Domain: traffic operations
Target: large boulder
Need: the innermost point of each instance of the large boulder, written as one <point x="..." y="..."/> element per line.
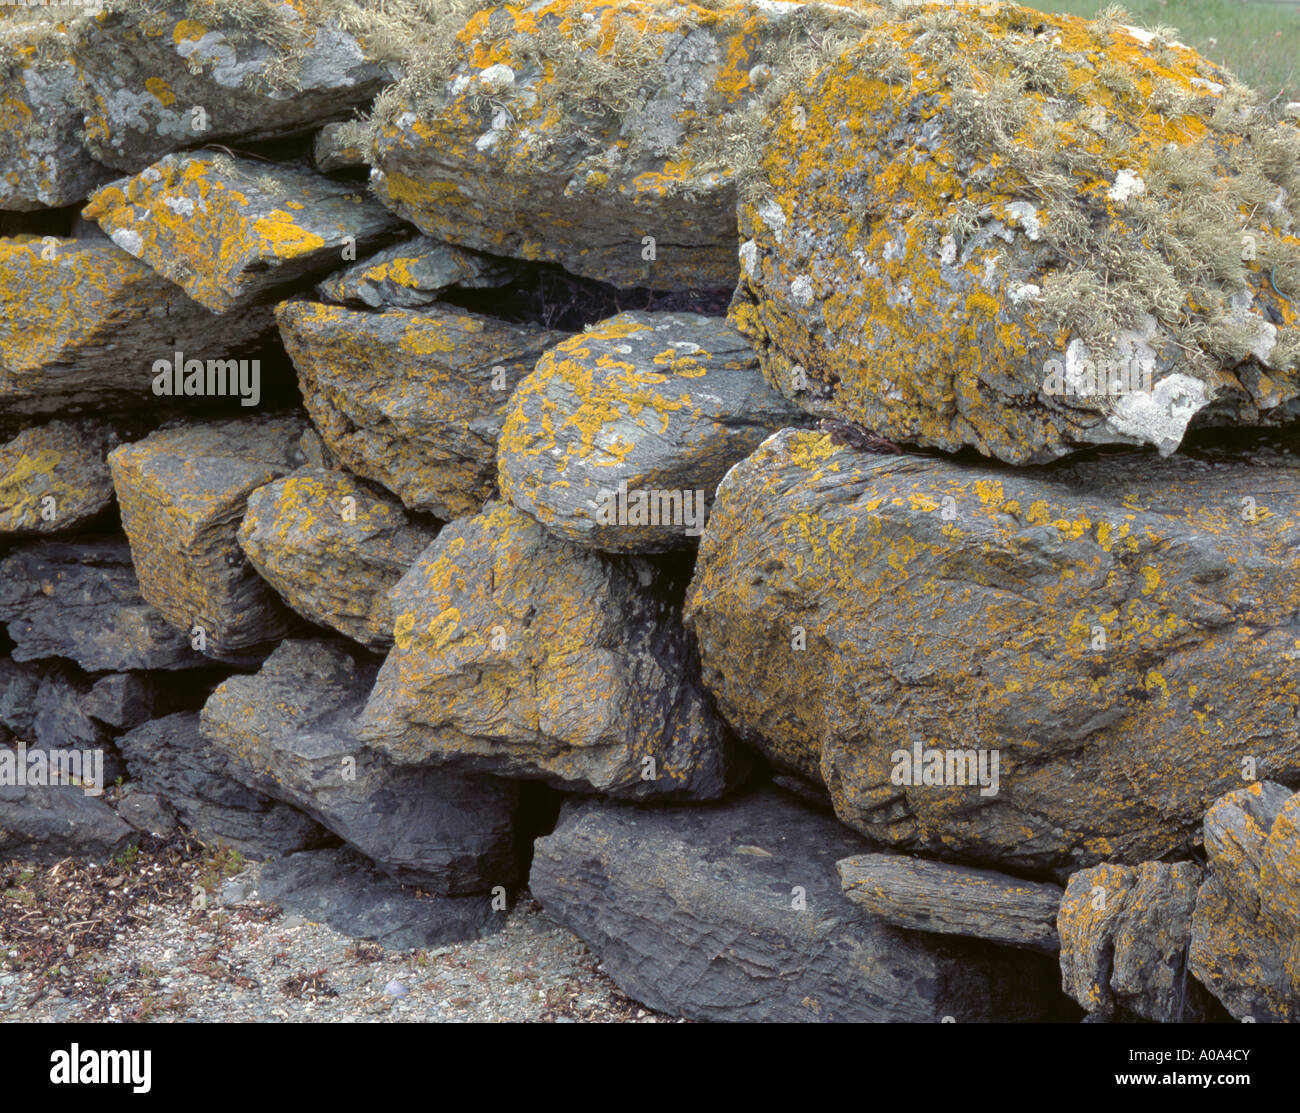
<point x="55" y="477"/>
<point x="985" y="226"/>
<point x="94" y="321"/>
<point x="584" y="134"/>
<point x="169" y="758"/>
<point x="1032" y="668"/>
<point x="43" y="163"/>
<point x="522" y="655"/>
<point x="733" y="911"/>
<point x="412" y="399"/>
<point x="619" y="437"/>
<point x="1124" y="933"/>
<point x="183" y="491"/>
<point x="290" y="731"/>
<point x="333" y="549"/>
<point x="953" y="900"/>
<point x="163" y="75"/>
<point x="1245" y="931"/>
<point x="230" y="231"/>
<point x="82" y="601"/>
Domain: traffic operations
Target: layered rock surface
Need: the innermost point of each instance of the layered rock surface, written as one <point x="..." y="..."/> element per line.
<point x="1041" y="669"/>
<point x="55" y="476"/>
<point x="412" y="399"/>
<point x="619" y="437"/>
<point x="333" y="549"/>
<point x="183" y="492"/>
<point x="521" y="655"/>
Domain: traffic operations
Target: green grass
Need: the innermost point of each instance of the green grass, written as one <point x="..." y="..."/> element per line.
<point x="1257" y="40"/>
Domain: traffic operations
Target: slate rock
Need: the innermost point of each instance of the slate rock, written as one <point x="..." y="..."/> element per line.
<point x="412" y="399"/>
<point x="1081" y="625"/>
<point x="94" y="322"/>
<point x="733" y="911"/>
<point x="906" y="264"/>
<point x="54" y="477"/>
<point x="44" y="823"/>
<point x="290" y="731"/>
<point x="183" y="491"/>
<point x="169" y="758"/>
<point x="122" y="700"/>
<point x="619" y="437"/>
<point x="333" y="548"/>
<point x="339" y="146"/>
<point x="954" y="900"/>
<point x="415" y="273"/>
<point x="231" y="231"/>
<point x="340" y="888"/>
<point x="147" y="67"/>
<point x="81" y="600"/>
<point x="147" y="813"/>
<point x="521" y="655"/>
<point x="43" y="163"/>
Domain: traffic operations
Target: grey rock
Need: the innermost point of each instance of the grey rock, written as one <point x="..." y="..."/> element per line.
<point x="169" y="757"/>
<point x="94" y="322"/>
<point x="82" y="601"/>
<point x="340" y="888"/>
<point x="339" y="146"/>
<point x="147" y="812"/>
<point x="54" y="477"/>
<point x="19" y="684"/>
<point x="521" y="655"/>
<point x="121" y="700"/>
<point x="412" y="399"/>
<point x="147" y="68"/>
<point x="290" y="731"/>
<point x="415" y="273"/>
<point x="183" y="492"/>
<point x="733" y="911"/>
<point x="1245" y="932"/>
<point x="333" y="549"/>
<point x="231" y="231"/>
<point x="954" y="900"/>
<point x="1124" y="932"/>
<point x="885" y="624"/>
<point x="47" y="822"/>
<point x="617" y="422"/>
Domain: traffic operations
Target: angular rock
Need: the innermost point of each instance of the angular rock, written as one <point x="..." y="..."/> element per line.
<point x="94" y="322"/>
<point x="18" y="687"/>
<point x="412" y="399"/>
<point x="620" y="436"/>
<point x="63" y="724"/>
<point x="568" y="135"/>
<point x="253" y="75"/>
<point x="1123" y="932"/>
<point x="230" y="231"/>
<point x="169" y="758"/>
<point x="954" y="900"/>
<point x="147" y="812"/>
<point x="333" y="549"/>
<point x="43" y="163"/>
<point x="183" y="492"/>
<point x="921" y="258"/>
<point x="342" y="889"/>
<point x="122" y="700"/>
<point x="290" y="731"/>
<point x="733" y="911"/>
<point x="1245" y="933"/>
<point x="82" y="601"/>
<point x="521" y="655"/>
<point x="892" y="626"/>
<point x="44" y="823"/>
<point x="55" y="476"/>
<point x="413" y="274"/>
<point x="339" y="146"/>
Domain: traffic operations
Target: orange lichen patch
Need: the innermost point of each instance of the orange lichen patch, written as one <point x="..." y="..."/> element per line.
<point x="1002" y="184"/>
<point x="53" y="476"/>
<point x="1095" y="667"/>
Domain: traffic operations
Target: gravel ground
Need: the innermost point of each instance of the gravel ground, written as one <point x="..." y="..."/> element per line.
<point x="122" y="942"/>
